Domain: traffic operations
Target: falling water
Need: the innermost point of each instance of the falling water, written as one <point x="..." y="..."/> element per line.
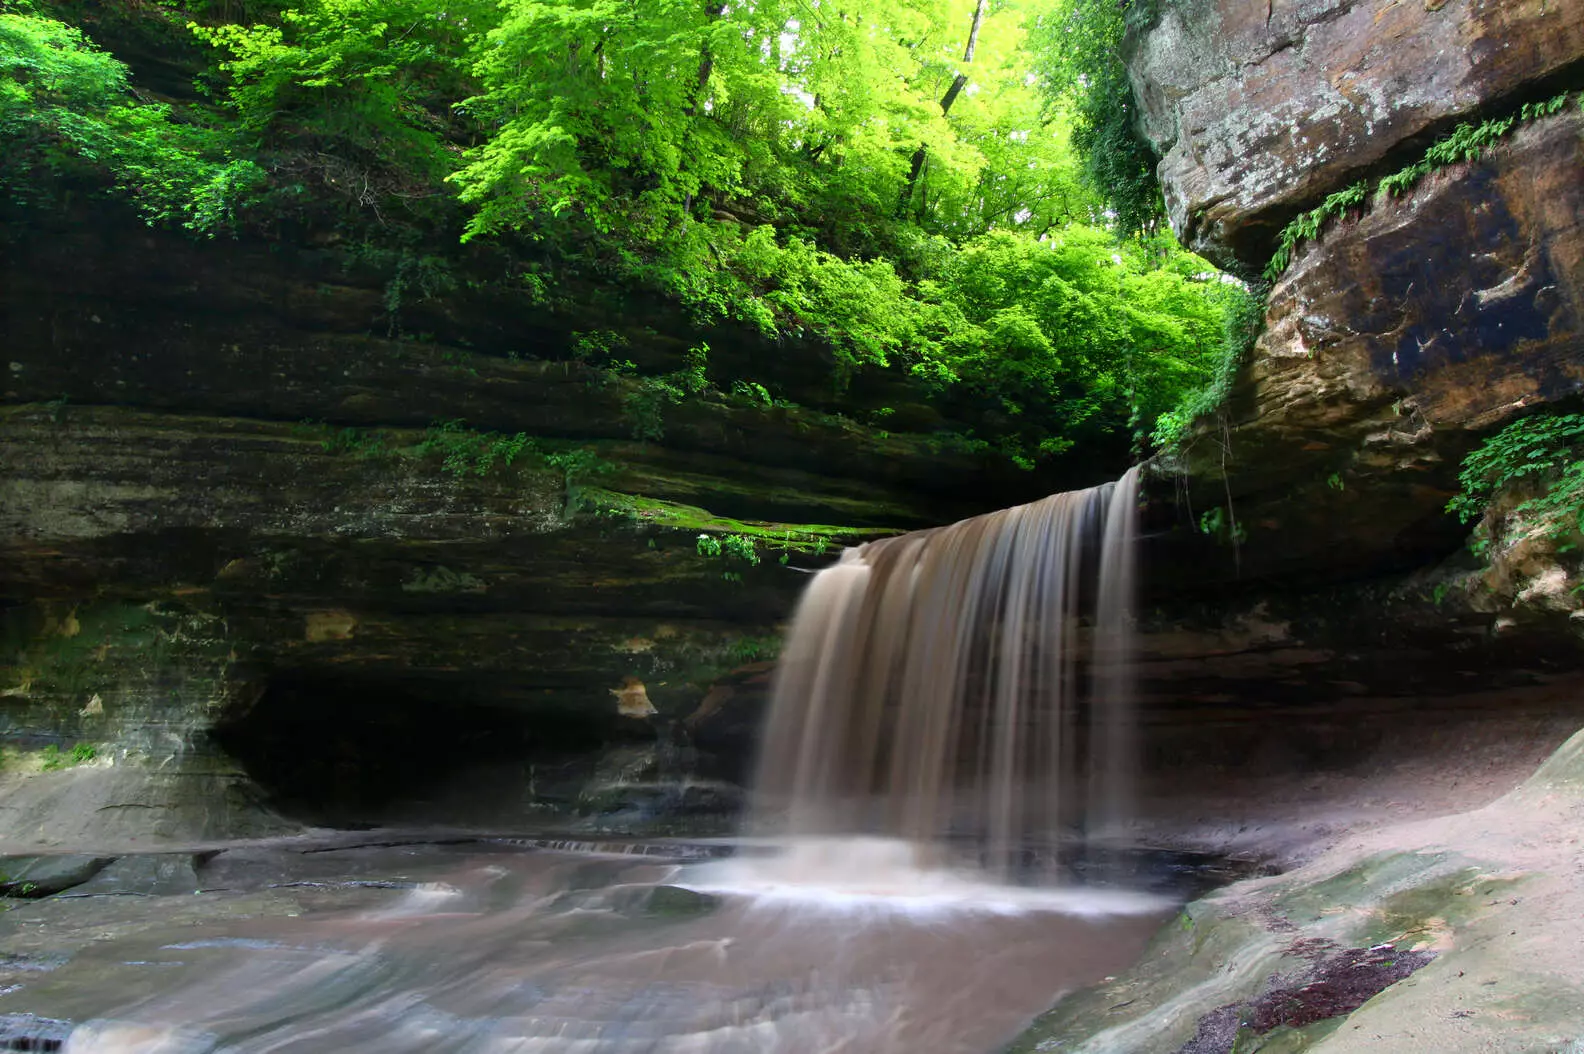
<point x="941" y="684"/>
<point x="962" y="687"/>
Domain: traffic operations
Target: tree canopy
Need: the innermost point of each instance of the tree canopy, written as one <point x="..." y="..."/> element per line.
<point x="928" y="186"/>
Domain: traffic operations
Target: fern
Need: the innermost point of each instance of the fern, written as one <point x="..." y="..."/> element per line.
<point x="1545" y="450"/>
<point x="1466" y="142"/>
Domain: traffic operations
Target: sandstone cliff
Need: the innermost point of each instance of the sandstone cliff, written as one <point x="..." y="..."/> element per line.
<point x="225" y="538"/>
<point x="1414" y="325"/>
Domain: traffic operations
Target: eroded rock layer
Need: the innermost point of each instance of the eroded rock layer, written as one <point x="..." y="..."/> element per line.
<point x="1392" y="345"/>
<point x="1262" y="108"/>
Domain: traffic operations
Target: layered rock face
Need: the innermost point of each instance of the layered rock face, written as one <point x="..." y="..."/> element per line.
<point x="1260" y="109"/>
<point x="232" y="567"/>
<point x="1308" y="523"/>
<point x="1414" y="325"/>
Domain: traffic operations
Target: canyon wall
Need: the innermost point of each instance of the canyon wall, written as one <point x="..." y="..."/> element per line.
<point x="1415" y="324"/>
<point x="256" y="543"/>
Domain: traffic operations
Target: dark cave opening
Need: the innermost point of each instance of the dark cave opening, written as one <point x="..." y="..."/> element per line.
<point x="357" y="751"/>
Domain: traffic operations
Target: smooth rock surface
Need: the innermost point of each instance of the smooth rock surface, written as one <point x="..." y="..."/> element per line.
<point x="43" y="876"/>
<point x="148" y="875"/>
<point x="1493" y="894"/>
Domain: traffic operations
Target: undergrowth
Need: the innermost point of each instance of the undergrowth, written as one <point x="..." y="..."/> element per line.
<point x="1545" y="451"/>
<point x="468" y="452"/>
<point x="80" y="754"/>
<point x="644" y="405"/>
<point x="729" y="547"/>
<point x="1241" y="326"/>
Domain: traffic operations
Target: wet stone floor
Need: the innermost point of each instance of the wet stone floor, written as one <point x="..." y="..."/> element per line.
<point x="521" y="945"/>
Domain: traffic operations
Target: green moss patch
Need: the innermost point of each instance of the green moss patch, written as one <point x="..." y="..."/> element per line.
<point x="794" y="537"/>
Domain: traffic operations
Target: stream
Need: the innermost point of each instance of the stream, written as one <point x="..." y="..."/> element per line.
<point x="527" y="945"/>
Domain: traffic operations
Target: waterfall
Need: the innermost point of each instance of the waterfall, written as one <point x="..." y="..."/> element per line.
<point x="966" y="682"/>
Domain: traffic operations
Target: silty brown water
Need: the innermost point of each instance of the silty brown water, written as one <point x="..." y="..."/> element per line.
<point x="947" y="698"/>
<point x="930" y="687"/>
<point x="511" y="950"/>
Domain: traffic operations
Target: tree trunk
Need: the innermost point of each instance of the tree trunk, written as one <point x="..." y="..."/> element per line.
<point x="713" y="9"/>
<point x="958" y="83"/>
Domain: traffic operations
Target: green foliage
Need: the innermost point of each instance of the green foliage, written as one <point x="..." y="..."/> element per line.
<point x="1466" y="142"/>
<point x="468" y="452"/>
<point x="1242" y="322"/>
<point x="579" y="466"/>
<point x="643" y="406"/>
<point x="51" y="758"/>
<point x="744" y="160"/>
<point x="597" y="345"/>
<point x="641" y="119"/>
<point x="67" y="110"/>
<point x="1222" y="525"/>
<point x="1078" y="51"/>
<point x="735" y="549"/>
<point x="357" y="442"/>
<point x="741" y="547"/>
<point x="1544" y="454"/>
<point x="413" y="275"/>
<point x="1072" y="335"/>
<point x="354" y="92"/>
<point x="1307" y="225"/>
<point x="644" y="402"/>
<point x="1056" y="337"/>
<point x="755" y="649"/>
<point x="738" y="548"/>
<point x="753" y="393"/>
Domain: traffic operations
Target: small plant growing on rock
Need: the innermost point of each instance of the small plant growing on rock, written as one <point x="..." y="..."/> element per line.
<point x="742" y="547"/>
<point x="1467" y="142"/>
<point x="730" y="547"/>
<point x="357" y="442"/>
<point x="1221" y="526"/>
<point x="469" y="452"/>
<point x="1544" y="452"/>
<point x="53" y="759"/>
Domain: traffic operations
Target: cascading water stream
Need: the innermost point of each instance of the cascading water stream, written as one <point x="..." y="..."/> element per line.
<point x="950" y="693"/>
<point x="931" y="686"/>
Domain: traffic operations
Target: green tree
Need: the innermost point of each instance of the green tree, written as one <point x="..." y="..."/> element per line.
<point x="67" y="112"/>
<point x="353" y="96"/>
<point x="1077" y="50"/>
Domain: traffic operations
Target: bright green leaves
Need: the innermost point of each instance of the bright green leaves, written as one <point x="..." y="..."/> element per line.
<point x="65" y="108"/>
<point x="1078" y="49"/>
<point x="1538" y="459"/>
<point x="637" y="118"/>
<point x="861" y="307"/>
<point x="1073" y="333"/>
<point x="603" y="109"/>
<point x="1306" y="226"/>
<point x="49" y="64"/>
<point x="356" y="94"/>
<point x="1544" y="453"/>
<point x="748" y="161"/>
